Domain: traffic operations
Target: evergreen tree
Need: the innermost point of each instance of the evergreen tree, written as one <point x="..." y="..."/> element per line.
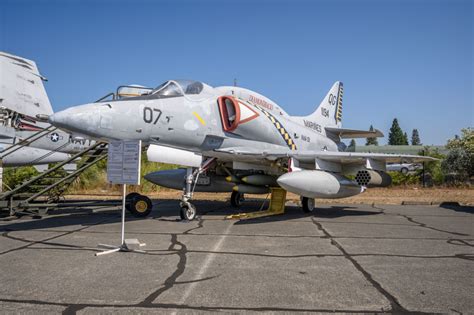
<point x="352" y="146"/>
<point x="396" y="136"/>
<point x="415" y="137"/>
<point x="371" y="140"/>
<point x="405" y="139"/>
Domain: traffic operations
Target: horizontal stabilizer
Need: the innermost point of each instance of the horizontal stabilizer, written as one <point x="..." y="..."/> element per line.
<point x="352" y="133"/>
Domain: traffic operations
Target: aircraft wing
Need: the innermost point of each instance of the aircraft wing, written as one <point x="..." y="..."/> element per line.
<point x="305" y="156"/>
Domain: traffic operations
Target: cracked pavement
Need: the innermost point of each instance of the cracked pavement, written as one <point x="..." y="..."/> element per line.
<point x="344" y="258"/>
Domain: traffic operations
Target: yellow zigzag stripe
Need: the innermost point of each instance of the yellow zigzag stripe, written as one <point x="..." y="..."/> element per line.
<point x="281" y="129"/>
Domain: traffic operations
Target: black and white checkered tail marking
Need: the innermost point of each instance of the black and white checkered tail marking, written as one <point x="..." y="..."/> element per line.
<point x="338" y="115"/>
<point x="284" y="134"/>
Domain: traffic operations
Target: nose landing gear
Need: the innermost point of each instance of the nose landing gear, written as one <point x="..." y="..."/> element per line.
<point x="188" y="210"/>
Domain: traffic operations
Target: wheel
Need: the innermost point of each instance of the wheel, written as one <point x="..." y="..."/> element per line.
<point x="131" y="195"/>
<point x="140" y="206"/>
<point x="404" y="170"/>
<point x="128" y="199"/>
<point x="236" y="199"/>
<point x="308" y="204"/>
<point x="188" y="212"/>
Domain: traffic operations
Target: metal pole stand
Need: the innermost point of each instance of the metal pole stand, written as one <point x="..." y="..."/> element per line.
<point x="127" y="245"/>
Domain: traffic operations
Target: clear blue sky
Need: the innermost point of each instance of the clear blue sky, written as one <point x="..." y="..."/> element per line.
<point x="407" y="59"/>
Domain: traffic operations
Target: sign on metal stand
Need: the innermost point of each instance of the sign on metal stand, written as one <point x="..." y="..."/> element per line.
<point x="123" y="167"/>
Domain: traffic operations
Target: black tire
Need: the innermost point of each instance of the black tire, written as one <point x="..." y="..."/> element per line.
<point x="404" y="170"/>
<point x="188" y="212"/>
<point x="140" y="206"/>
<point x="128" y="199"/>
<point x="307" y="204"/>
<point x="236" y="199"/>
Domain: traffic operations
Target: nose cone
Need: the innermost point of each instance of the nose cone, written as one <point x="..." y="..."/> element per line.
<point x="288" y="181"/>
<point x="82" y="119"/>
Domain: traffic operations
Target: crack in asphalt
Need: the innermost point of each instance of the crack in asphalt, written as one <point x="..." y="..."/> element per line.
<point x="168" y="283"/>
<point x="172" y="279"/>
<point x="423" y="225"/>
<point x="181" y="265"/>
<point x="430" y="227"/>
<point x="459" y="242"/>
<point x="395" y="305"/>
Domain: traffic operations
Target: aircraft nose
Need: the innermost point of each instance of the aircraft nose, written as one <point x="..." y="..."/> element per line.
<point x="76" y="119"/>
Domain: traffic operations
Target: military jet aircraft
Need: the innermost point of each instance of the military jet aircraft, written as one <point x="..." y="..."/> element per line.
<point x="22" y="98"/>
<point x="236" y="140"/>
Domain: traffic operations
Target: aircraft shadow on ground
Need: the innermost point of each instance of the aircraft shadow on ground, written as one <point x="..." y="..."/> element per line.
<point x="170" y="208"/>
<point x="455" y="206"/>
<point x="292" y="212"/>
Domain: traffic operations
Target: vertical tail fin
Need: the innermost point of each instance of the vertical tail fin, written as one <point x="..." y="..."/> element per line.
<point x="21" y="86"/>
<point x="329" y="112"/>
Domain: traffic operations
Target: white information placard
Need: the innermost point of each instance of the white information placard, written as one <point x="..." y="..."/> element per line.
<point x="123" y="164"/>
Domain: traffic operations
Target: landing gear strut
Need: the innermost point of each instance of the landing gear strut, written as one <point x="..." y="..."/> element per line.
<point x="188" y="210"/>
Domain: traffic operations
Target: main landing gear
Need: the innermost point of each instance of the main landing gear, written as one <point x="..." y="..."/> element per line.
<point x="236" y="199"/>
<point x="307" y="204"/>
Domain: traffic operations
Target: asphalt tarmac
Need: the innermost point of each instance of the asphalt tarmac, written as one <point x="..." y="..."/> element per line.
<point x="350" y="258"/>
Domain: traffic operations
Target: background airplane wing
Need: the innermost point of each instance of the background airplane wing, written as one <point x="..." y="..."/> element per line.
<point x="243" y="153"/>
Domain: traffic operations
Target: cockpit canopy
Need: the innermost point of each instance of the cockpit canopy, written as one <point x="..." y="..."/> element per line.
<point x="175" y="88"/>
<point x="191" y="90"/>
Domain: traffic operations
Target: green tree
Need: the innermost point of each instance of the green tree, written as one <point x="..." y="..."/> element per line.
<point x="396" y="136"/>
<point x="405" y="139"/>
<point x="460" y="159"/>
<point x="433" y="168"/>
<point x="459" y="163"/>
<point x="352" y="146"/>
<point x="371" y="140"/>
<point x="465" y="142"/>
<point x="415" y="137"/>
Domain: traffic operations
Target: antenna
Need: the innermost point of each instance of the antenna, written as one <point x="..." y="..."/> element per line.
<point x="235" y="81"/>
